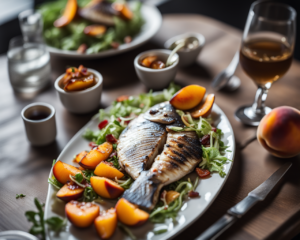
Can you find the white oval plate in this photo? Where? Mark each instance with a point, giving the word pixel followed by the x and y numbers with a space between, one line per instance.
pixel 152 18
pixel 191 210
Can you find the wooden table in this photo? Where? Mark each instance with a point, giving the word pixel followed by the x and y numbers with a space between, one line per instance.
pixel 25 169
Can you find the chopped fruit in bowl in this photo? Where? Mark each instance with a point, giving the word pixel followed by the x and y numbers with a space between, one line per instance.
pixel 279 132
pixel 81 214
pixel 153 62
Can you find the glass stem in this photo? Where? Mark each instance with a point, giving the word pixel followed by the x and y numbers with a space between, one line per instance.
pixel 259 102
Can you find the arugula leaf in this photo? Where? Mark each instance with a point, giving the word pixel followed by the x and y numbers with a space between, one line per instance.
pixel 89 195
pixel 87 174
pixel 79 177
pixel 115 146
pixel 115 162
pixel 55 183
pixel 20 196
pixel 56 223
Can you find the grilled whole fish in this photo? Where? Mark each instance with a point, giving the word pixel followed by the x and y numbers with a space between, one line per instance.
pixel 139 144
pixel 162 113
pixel 181 154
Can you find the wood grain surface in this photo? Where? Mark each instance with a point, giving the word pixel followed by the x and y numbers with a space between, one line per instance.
pixel 25 169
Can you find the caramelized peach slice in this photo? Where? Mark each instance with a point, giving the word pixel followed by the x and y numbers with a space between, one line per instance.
pixel 147 61
pixel 81 214
pixel 68 15
pixel 130 214
pixel 80 155
pixel 70 191
pixel 62 171
pixel 79 84
pixel 94 30
pixel 124 10
pixel 105 169
pixel 106 223
pixel 97 155
pixel 188 97
pixel 105 187
pixel 171 196
pixel 204 109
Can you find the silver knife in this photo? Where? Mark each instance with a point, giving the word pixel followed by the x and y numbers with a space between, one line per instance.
pixel 237 211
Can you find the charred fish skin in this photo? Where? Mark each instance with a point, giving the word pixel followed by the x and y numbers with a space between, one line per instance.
pixel 139 144
pixel 181 154
pixel 163 113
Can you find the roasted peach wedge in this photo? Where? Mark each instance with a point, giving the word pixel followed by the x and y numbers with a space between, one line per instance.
pixel 68 15
pixel 79 84
pixel 94 30
pixel 123 10
pixel 81 214
pixel 106 223
pixel 97 155
pixel 188 97
pixel 130 214
pixel 80 155
pixel 105 187
pixel 62 171
pixel 204 109
pixel 279 132
pixel 70 191
pixel 106 169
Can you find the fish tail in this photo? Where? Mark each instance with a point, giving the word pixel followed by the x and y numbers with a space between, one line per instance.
pixel 144 192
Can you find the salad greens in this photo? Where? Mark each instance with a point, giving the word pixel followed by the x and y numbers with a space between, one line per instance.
pixel 72 36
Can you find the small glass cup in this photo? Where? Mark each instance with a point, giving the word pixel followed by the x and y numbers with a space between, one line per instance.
pixel 28 65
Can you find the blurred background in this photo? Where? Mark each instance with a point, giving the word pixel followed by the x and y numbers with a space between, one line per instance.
pixel 232 12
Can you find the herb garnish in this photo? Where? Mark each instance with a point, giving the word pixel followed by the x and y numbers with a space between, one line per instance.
pixel 20 196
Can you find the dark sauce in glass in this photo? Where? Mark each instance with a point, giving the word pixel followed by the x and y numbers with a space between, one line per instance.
pixel 38 115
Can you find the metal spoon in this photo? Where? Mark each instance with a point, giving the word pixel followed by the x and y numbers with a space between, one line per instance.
pixel 226 78
pixel 187 43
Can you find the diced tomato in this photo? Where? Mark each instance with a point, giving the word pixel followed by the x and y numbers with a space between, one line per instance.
pixel 122 98
pixel 202 172
pixel 110 138
pixel 193 194
pixel 92 145
pixel 126 122
pixel 205 140
pixel 214 129
pixel 102 124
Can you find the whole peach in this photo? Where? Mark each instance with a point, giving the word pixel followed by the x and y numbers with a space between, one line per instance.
pixel 279 132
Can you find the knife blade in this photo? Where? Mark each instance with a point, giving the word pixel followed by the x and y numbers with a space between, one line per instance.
pixel 237 211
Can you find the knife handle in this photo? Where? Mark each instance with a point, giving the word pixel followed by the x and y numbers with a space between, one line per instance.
pixel 218 227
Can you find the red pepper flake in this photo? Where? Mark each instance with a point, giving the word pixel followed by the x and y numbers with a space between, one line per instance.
pixel 202 172
pixel 193 194
pixel 115 45
pixel 102 124
pixel 122 98
pixel 93 145
pixel 205 140
pixel 110 138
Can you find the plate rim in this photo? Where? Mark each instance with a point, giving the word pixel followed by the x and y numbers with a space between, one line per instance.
pixel 111 52
pixel 169 234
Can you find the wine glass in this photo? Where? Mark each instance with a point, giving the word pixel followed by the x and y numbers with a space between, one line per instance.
pixel 266 52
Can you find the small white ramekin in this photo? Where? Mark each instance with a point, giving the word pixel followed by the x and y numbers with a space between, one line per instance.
pixel 187 57
pixel 156 78
pixel 83 101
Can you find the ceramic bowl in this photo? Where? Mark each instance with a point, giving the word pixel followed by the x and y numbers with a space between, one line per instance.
pixel 83 101
pixel 156 78
pixel 186 56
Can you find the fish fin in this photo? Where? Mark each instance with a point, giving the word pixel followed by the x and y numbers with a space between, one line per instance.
pixel 144 192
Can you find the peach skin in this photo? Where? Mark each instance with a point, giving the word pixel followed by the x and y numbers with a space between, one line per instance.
pixel 105 169
pixel 188 97
pixel 105 187
pixel 279 132
pixel 204 109
pixel 68 15
pixel 81 214
pixel 62 171
pixel 80 155
pixel 97 155
pixel 106 223
pixel 70 191
pixel 130 214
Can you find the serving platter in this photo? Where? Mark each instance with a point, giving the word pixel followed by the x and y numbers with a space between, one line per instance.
pixel 191 210
pixel 153 20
